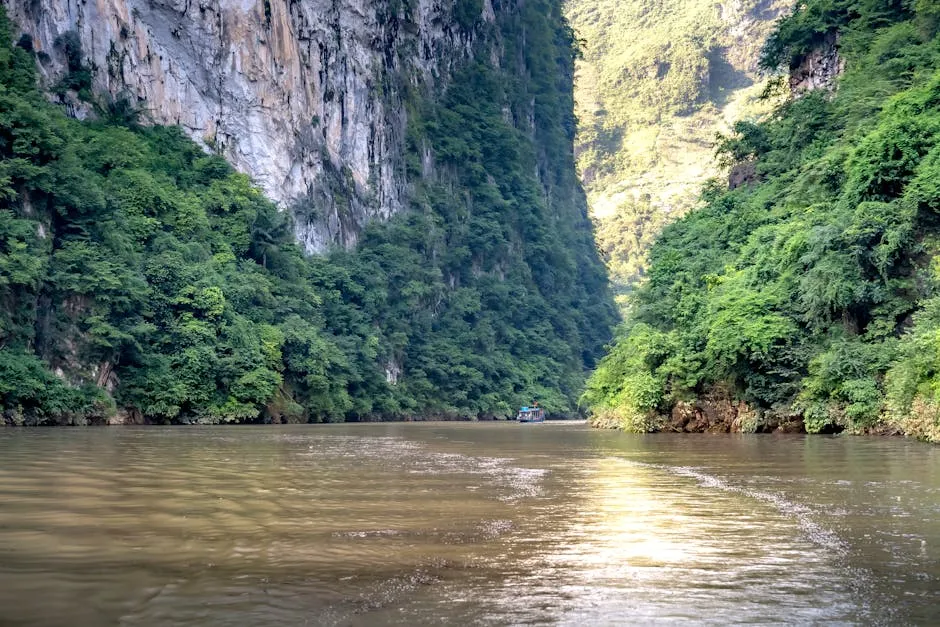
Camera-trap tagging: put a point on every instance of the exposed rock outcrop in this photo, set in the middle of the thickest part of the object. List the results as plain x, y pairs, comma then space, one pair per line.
718, 412
743, 173
303, 95
818, 69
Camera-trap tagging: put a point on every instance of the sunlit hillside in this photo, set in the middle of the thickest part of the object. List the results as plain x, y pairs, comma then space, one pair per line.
658, 79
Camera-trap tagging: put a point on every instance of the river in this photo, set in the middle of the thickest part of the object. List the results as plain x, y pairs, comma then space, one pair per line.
463, 523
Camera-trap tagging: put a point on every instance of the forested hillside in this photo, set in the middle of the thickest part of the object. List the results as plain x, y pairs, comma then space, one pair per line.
657, 80
809, 295
142, 280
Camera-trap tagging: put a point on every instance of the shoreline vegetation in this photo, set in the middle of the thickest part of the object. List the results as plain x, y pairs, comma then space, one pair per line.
805, 292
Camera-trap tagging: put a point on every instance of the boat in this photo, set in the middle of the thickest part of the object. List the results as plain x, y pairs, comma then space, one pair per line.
531, 414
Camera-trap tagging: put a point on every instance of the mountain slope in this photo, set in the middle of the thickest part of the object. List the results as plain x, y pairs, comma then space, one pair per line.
657, 81
808, 296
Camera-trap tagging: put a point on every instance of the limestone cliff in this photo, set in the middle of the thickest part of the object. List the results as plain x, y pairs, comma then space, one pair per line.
303, 95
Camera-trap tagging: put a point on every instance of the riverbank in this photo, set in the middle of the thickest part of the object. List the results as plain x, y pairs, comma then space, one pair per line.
724, 415
135, 419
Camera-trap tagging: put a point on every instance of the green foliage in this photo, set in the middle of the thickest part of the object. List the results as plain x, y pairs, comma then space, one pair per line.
479, 300
624, 238
913, 382
811, 22
78, 77
749, 140
143, 276
628, 386
797, 293
31, 395
467, 13
745, 325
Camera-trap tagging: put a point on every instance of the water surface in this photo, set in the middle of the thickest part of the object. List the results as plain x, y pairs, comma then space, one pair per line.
463, 523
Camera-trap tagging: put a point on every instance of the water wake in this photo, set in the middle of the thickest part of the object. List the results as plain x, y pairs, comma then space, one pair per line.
803, 515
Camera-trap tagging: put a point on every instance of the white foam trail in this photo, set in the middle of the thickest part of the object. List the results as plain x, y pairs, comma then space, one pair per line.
803, 515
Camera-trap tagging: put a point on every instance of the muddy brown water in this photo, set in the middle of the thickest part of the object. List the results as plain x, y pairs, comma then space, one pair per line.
462, 523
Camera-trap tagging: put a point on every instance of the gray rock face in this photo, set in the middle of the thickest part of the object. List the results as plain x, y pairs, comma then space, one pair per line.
302, 95
818, 69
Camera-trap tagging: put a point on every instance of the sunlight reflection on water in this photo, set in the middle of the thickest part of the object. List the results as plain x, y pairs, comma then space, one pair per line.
644, 543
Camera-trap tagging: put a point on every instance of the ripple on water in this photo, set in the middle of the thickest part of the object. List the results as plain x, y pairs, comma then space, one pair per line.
466, 524
155, 527
647, 546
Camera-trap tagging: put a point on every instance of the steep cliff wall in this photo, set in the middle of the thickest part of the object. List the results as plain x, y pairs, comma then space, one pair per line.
142, 280
303, 95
